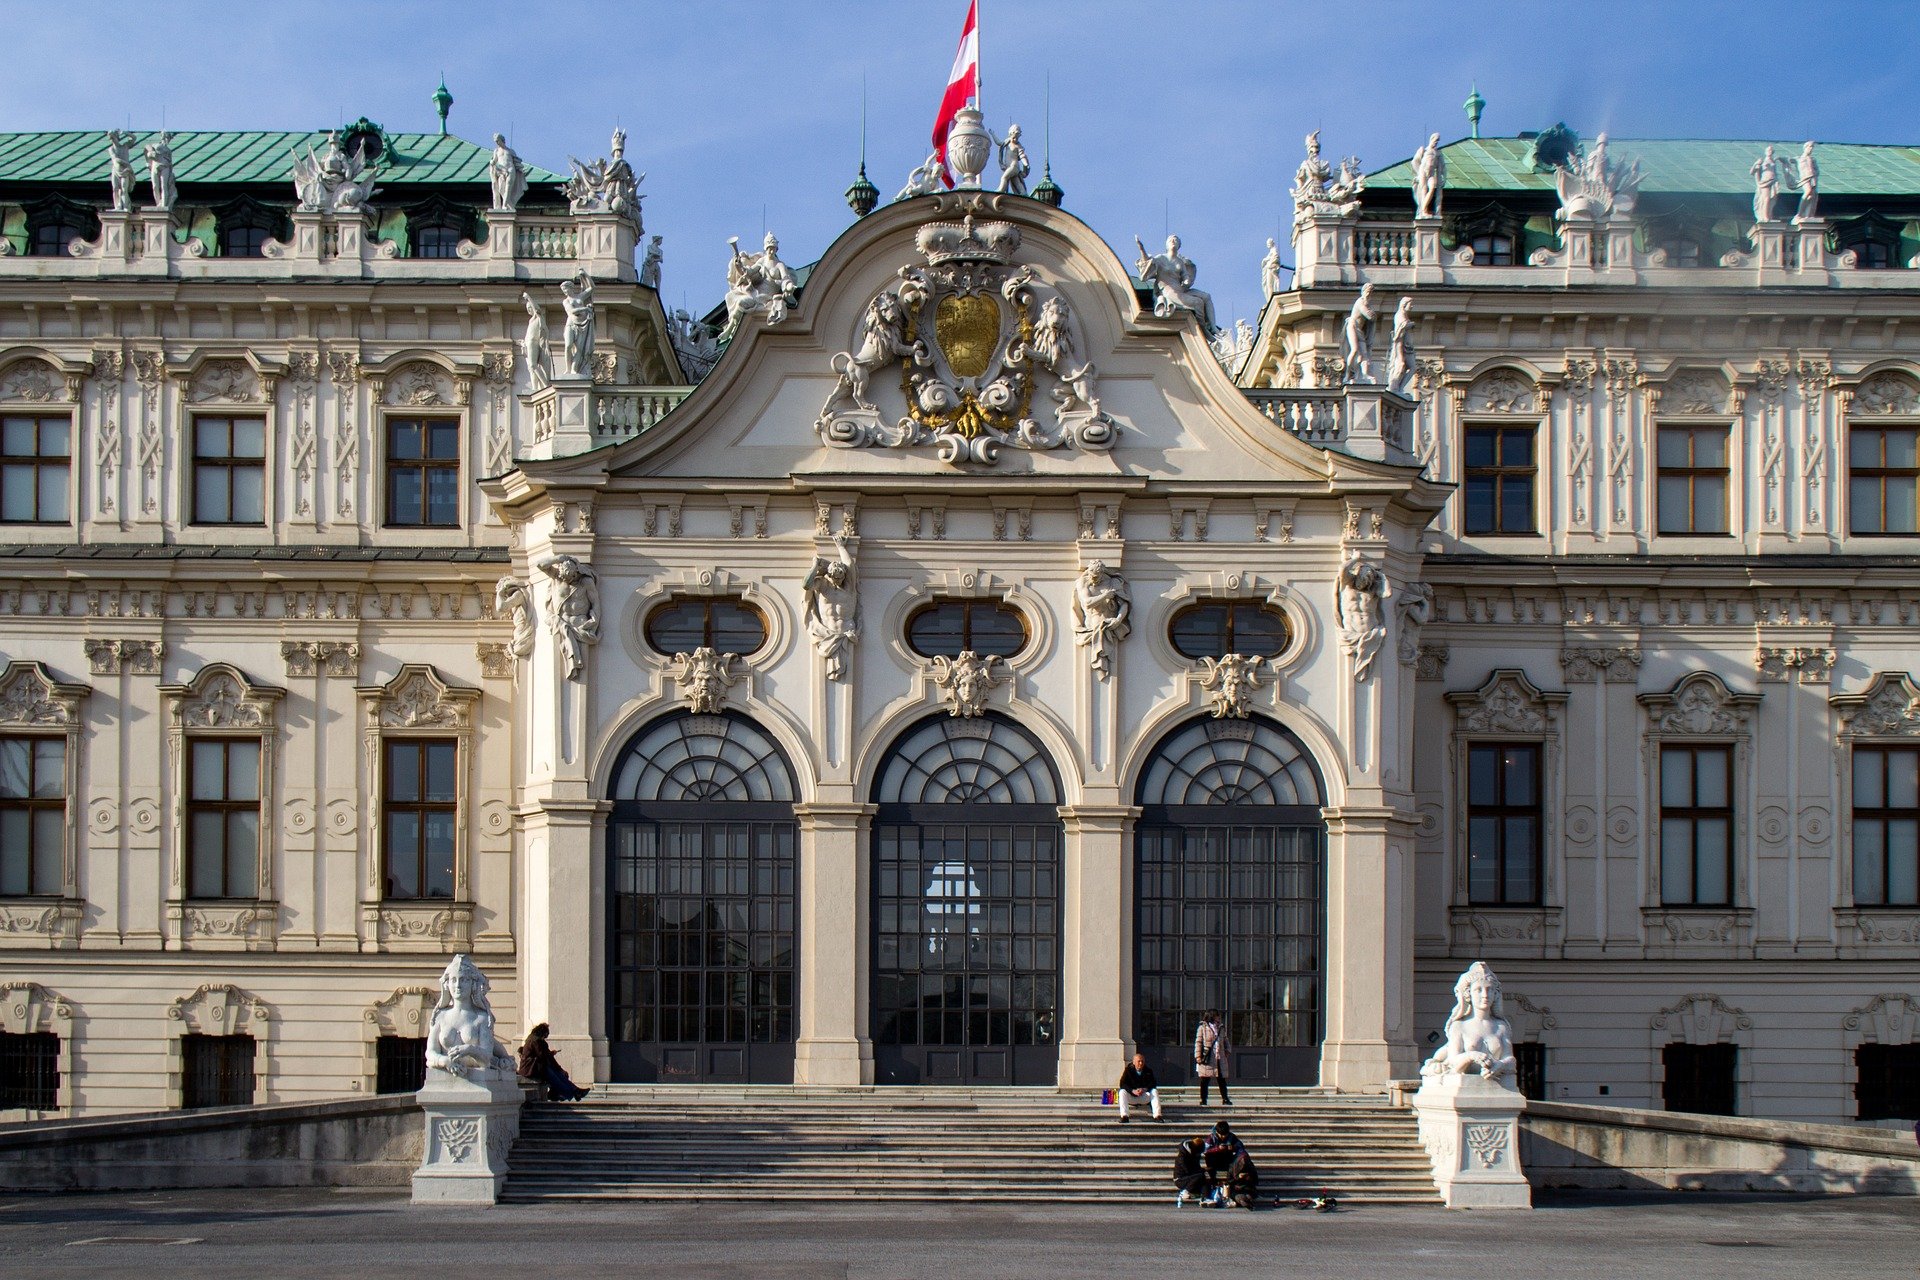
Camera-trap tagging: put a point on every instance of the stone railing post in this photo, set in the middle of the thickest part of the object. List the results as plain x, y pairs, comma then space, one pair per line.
503, 230
470, 1127
1470, 1126
1325, 249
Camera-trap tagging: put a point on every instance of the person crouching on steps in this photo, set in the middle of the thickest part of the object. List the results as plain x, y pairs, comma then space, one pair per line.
1210, 1050
540, 1064
1190, 1171
1137, 1082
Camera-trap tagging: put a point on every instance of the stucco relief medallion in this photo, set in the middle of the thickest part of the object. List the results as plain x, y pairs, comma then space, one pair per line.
1622, 824
494, 818
1431, 818
102, 816
1773, 826
1580, 823
341, 816
143, 817
299, 813
1814, 824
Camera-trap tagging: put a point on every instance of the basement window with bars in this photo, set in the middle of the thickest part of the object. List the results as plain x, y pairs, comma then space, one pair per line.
216, 1071
400, 1064
29, 1071
1530, 1069
1887, 1081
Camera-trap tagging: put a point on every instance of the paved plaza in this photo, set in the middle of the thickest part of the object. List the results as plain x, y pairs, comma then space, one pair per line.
328, 1233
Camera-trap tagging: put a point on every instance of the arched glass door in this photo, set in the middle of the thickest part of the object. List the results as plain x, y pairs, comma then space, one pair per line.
1230, 888
966, 907
701, 847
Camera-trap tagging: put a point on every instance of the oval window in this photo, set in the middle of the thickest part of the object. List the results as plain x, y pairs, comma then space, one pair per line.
721, 623
1214, 628
948, 628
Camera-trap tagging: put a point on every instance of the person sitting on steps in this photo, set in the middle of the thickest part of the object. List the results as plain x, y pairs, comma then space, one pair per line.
1190, 1171
1137, 1082
540, 1064
1210, 1050
1231, 1166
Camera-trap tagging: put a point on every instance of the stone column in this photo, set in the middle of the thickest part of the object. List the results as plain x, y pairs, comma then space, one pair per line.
564, 952
835, 928
1096, 940
1369, 988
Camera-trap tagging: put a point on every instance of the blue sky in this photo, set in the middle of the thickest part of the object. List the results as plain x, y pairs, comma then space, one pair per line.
1188, 116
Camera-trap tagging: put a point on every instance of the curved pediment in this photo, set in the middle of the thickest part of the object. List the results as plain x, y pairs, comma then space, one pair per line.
967, 335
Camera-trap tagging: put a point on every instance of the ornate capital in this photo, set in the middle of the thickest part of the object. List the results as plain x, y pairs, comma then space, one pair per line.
1777, 665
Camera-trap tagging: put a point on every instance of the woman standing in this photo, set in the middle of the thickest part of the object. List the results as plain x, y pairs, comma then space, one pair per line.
1210, 1050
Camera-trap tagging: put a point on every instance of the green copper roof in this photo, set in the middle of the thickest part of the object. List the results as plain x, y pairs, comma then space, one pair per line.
1675, 165
252, 156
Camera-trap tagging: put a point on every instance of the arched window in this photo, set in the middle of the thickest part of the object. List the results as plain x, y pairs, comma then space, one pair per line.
1230, 899
701, 848
55, 222
725, 624
966, 906
435, 228
245, 225
948, 628
1215, 628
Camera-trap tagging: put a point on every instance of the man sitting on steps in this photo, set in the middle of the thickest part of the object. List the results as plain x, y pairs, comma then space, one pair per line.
1137, 1082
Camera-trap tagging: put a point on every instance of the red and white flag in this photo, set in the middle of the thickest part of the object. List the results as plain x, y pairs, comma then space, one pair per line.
963, 85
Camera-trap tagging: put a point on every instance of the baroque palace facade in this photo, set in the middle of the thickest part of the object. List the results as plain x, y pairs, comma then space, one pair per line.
952, 673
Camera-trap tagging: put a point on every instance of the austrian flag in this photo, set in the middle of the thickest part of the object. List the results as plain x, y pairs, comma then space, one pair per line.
963, 85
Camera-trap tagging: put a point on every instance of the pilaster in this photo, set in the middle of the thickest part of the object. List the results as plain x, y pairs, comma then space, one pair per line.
566, 900
1369, 995
1096, 996
834, 1047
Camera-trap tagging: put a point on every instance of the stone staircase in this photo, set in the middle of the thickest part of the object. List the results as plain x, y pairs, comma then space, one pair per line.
694, 1142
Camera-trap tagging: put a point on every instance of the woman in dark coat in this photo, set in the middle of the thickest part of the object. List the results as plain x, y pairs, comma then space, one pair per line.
540, 1064
1190, 1171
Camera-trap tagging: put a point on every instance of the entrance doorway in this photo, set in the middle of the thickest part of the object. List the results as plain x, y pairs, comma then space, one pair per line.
1230, 894
701, 851
966, 907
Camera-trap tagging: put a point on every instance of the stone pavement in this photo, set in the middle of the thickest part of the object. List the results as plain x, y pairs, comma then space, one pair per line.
273, 1233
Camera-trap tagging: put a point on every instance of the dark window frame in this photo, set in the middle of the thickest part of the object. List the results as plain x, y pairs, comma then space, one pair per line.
218, 1081
30, 1070
228, 809
34, 805
1530, 1069
1686, 1083
1499, 475
1693, 474
1882, 815
1235, 612
399, 1063
1886, 1081
1501, 248
1694, 815
1502, 811
55, 222
1883, 474
38, 461
710, 632
229, 463
968, 606
242, 227
425, 464
423, 808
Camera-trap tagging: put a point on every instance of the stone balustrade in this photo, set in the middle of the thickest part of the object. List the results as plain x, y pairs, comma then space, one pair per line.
574, 415
622, 412
1366, 421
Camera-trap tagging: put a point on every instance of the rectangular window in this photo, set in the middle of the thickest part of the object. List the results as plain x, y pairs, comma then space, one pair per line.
35, 459
1530, 1069
29, 1070
1887, 1086
1499, 480
400, 1064
216, 1071
33, 816
1700, 1078
419, 812
223, 817
423, 473
1693, 480
229, 470
1503, 824
1886, 826
1696, 826
1883, 479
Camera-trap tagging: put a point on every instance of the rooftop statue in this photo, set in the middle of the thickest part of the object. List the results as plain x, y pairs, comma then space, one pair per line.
1400, 362
1479, 1039
461, 1039
924, 180
694, 342
509, 175
1358, 338
1591, 183
533, 347
1014, 166
576, 299
1320, 189
758, 284
1809, 175
334, 181
607, 186
159, 153
120, 169
1172, 274
1429, 178
1766, 185
1230, 346
650, 266
1270, 269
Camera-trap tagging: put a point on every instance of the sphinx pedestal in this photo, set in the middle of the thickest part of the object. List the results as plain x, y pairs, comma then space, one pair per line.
470, 1126
1470, 1127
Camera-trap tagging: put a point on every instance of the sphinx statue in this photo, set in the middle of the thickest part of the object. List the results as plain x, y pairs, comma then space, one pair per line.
460, 1039
1479, 1040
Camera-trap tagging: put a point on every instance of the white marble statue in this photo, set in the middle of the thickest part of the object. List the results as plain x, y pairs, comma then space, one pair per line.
1593, 185
159, 153
576, 299
1357, 338
1318, 189
509, 175
1362, 588
1429, 178
833, 607
1808, 176
1054, 349
1102, 614
1766, 185
1414, 604
695, 344
120, 177
1230, 346
533, 347
512, 600
1479, 1039
1172, 274
967, 679
1400, 361
882, 340
333, 181
1270, 270
574, 612
607, 186
924, 180
1014, 166
1230, 682
704, 676
650, 266
758, 284
461, 1038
